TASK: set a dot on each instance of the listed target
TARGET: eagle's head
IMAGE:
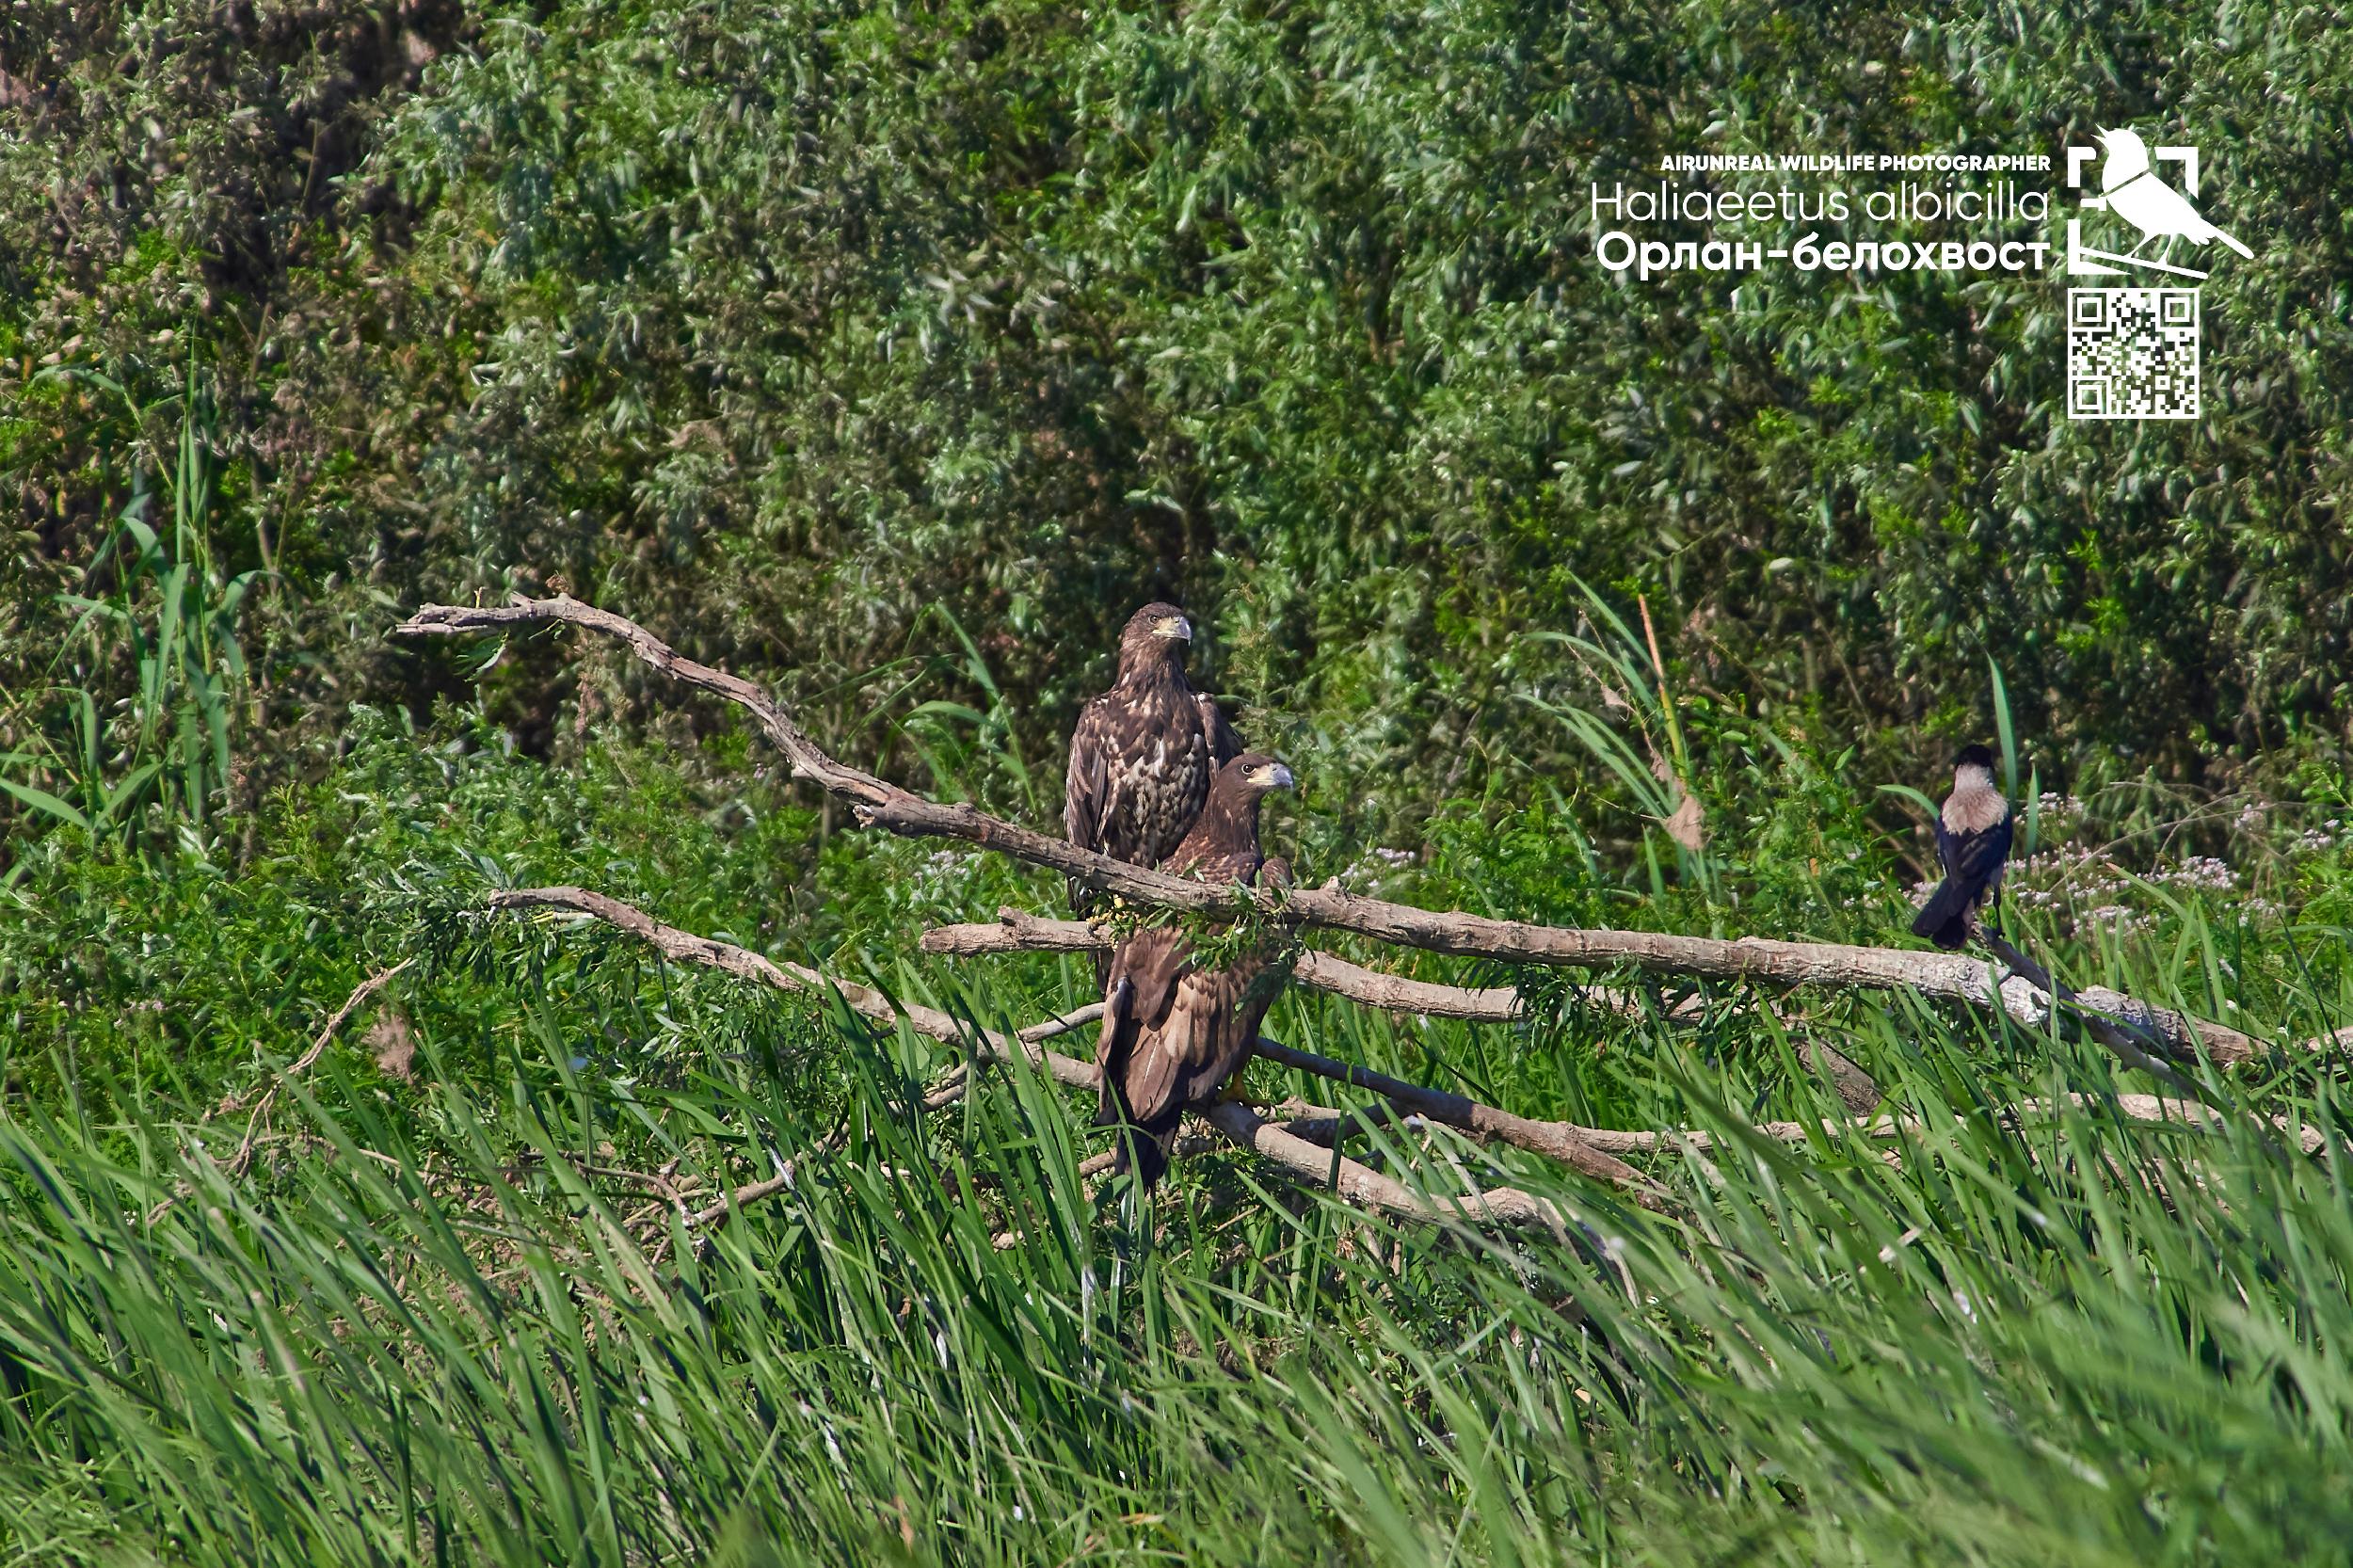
(1255, 774)
(1229, 819)
(1155, 633)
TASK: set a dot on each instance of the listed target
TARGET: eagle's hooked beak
(1176, 627)
(1275, 775)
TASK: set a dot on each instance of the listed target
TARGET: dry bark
(879, 803)
(1237, 1122)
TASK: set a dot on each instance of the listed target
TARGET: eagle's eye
(1176, 627)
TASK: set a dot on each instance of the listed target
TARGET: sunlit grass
(453, 1318)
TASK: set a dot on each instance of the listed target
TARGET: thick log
(879, 803)
(1947, 975)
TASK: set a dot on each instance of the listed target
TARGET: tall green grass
(438, 1339)
(156, 678)
(437, 1323)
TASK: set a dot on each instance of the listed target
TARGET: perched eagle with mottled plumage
(1175, 1033)
(1144, 751)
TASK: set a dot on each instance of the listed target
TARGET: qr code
(2132, 352)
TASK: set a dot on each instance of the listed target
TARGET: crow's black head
(1975, 756)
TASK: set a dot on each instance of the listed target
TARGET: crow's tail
(1945, 918)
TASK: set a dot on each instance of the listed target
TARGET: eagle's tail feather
(1145, 1151)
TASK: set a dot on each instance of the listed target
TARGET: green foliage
(169, 626)
(782, 326)
(445, 1316)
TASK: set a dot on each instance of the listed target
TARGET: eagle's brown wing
(1174, 1034)
(1141, 985)
(1211, 1027)
(1224, 745)
(1086, 782)
(1087, 804)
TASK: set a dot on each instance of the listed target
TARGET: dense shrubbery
(777, 327)
(892, 357)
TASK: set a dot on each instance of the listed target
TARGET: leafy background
(892, 357)
(784, 328)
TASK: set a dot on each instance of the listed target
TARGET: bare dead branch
(1321, 1124)
(1076, 1018)
(744, 964)
(879, 803)
(2132, 1043)
(2112, 1015)
(1369, 1189)
(1583, 1149)
(1508, 1205)
(1017, 930)
(1187, 1146)
(1590, 1151)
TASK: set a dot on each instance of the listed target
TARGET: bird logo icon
(2139, 194)
(2133, 351)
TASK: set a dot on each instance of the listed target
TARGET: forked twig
(231, 1104)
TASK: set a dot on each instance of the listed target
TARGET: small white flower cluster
(2055, 813)
(2198, 873)
(2320, 840)
(2069, 873)
(2083, 877)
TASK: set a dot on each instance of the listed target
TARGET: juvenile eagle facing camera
(1142, 753)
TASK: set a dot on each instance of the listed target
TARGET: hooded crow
(1973, 835)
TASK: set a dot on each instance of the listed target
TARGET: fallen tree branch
(744, 964)
(1017, 930)
(1354, 1181)
(2132, 1044)
(1321, 1124)
(1557, 1140)
(1369, 1189)
(879, 803)
(1582, 1148)
(1590, 1151)
(2120, 1022)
